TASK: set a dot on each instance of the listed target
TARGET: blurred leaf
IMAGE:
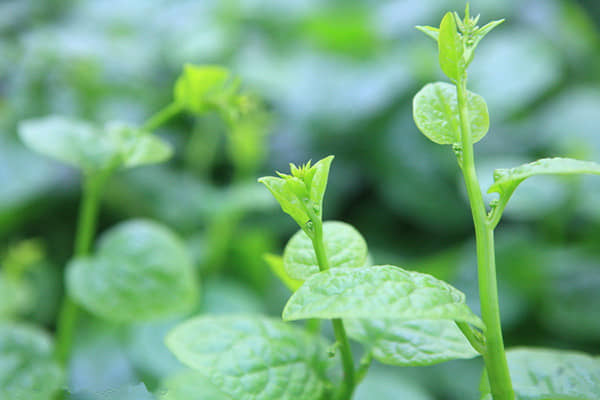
(252, 357)
(129, 392)
(410, 343)
(226, 296)
(344, 246)
(276, 264)
(15, 296)
(140, 271)
(84, 146)
(387, 384)
(544, 374)
(379, 292)
(435, 111)
(450, 48)
(27, 367)
(203, 88)
(190, 385)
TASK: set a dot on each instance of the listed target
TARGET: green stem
(338, 325)
(494, 357)
(162, 116)
(88, 213)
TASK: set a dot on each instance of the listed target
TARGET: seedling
(401, 317)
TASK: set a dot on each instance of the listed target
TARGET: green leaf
(545, 374)
(378, 292)
(203, 88)
(410, 343)
(435, 111)
(15, 296)
(252, 358)
(276, 264)
(140, 271)
(344, 246)
(27, 368)
(450, 48)
(90, 148)
(484, 30)
(302, 192)
(430, 31)
(190, 385)
(507, 180)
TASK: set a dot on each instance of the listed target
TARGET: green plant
(140, 270)
(400, 317)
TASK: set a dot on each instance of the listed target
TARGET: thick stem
(494, 357)
(338, 325)
(88, 213)
(161, 117)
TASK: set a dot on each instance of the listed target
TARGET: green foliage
(27, 367)
(410, 343)
(276, 264)
(140, 271)
(344, 246)
(190, 385)
(92, 149)
(435, 111)
(450, 48)
(544, 374)
(378, 292)
(301, 194)
(203, 88)
(254, 358)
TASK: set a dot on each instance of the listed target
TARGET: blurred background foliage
(337, 78)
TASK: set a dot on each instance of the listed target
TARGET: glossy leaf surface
(344, 246)
(378, 292)
(435, 111)
(545, 374)
(410, 343)
(252, 358)
(140, 271)
(27, 367)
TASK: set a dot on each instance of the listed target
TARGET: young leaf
(301, 192)
(435, 111)
(378, 292)
(483, 31)
(140, 271)
(430, 31)
(507, 180)
(252, 358)
(90, 148)
(205, 87)
(450, 48)
(276, 264)
(27, 367)
(344, 245)
(542, 374)
(410, 343)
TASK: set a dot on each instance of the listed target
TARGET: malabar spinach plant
(401, 317)
(139, 270)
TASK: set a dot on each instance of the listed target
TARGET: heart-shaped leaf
(140, 271)
(435, 111)
(253, 358)
(378, 292)
(545, 374)
(344, 246)
(90, 148)
(410, 343)
(27, 367)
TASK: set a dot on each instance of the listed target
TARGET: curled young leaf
(410, 343)
(140, 271)
(378, 292)
(450, 48)
(344, 246)
(435, 111)
(253, 357)
(91, 148)
(27, 366)
(300, 194)
(542, 374)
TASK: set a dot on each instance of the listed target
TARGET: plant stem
(494, 357)
(161, 117)
(338, 325)
(88, 213)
